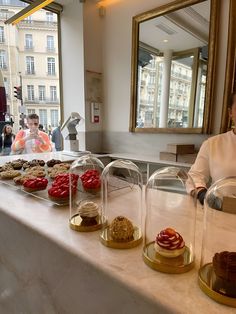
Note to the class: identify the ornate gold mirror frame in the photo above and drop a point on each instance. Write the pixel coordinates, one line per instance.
(212, 51)
(230, 72)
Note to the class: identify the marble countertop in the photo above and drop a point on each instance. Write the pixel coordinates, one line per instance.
(173, 293)
(148, 159)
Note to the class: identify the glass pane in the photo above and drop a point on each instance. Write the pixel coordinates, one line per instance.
(180, 91)
(29, 58)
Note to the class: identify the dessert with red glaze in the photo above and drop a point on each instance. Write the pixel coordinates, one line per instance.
(36, 184)
(60, 189)
(91, 181)
(224, 265)
(169, 243)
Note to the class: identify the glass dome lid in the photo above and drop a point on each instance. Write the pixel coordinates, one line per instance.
(170, 221)
(217, 274)
(122, 205)
(85, 194)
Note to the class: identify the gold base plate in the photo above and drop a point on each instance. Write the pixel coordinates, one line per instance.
(205, 281)
(107, 240)
(176, 265)
(83, 225)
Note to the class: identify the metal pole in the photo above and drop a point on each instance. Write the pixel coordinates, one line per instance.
(22, 116)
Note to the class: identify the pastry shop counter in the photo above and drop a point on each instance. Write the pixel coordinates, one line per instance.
(42, 156)
(46, 267)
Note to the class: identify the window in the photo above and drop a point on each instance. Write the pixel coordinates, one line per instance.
(53, 93)
(50, 43)
(33, 57)
(54, 118)
(3, 59)
(30, 92)
(28, 41)
(2, 37)
(30, 111)
(30, 65)
(28, 19)
(43, 117)
(42, 92)
(6, 86)
(49, 17)
(51, 66)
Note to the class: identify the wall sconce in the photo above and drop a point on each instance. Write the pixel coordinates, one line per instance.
(102, 11)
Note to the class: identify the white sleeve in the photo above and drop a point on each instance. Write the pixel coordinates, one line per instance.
(200, 170)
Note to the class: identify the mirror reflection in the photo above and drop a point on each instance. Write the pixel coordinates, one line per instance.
(172, 68)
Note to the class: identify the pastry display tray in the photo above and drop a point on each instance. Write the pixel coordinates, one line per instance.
(42, 195)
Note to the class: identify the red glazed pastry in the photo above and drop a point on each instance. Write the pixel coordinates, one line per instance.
(91, 181)
(169, 243)
(60, 189)
(36, 184)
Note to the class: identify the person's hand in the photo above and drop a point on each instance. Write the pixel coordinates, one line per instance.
(30, 136)
(201, 195)
(39, 138)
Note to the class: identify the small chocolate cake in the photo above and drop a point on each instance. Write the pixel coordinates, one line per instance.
(224, 265)
(52, 162)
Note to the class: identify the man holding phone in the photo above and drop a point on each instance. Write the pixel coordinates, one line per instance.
(31, 140)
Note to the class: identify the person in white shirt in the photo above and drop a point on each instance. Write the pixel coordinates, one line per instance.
(216, 158)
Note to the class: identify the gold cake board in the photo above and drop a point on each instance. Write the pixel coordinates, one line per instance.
(176, 265)
(204, 281)
(76, 223)
(107, 240)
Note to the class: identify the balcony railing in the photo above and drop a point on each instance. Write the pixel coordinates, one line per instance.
(3, 66)
(40, 102)
(42, 24)
(50, 49)
(51, 73)
(30, 72)
(29, 48)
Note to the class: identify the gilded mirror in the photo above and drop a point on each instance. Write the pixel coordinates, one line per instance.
(173, 64)
(230, 72)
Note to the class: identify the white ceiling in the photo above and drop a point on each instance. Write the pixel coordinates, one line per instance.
(190, 27)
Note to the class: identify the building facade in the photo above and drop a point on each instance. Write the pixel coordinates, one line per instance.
(29, 57)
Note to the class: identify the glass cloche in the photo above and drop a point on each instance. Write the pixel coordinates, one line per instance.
(170, 221)
(217, 274)
(122, 205)
(85, 194)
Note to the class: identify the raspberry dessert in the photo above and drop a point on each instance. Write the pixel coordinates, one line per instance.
(60, 189)
(169, 243)
(91, 181)
(36, 184)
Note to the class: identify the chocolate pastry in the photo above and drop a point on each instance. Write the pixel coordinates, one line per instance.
(224, 265)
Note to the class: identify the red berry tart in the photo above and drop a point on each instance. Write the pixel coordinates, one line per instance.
(36, 184)
(169, 243)
(91, 181)
(60, 189)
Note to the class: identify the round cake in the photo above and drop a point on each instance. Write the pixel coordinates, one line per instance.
(169, 243)
(121, 229)
(53, 162)
(224, 265)
(36, 184)
(88, 211)
(91, 181)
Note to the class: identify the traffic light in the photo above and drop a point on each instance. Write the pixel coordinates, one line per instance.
(18, 92)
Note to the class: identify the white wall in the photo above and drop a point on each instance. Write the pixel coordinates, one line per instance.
(117, 37)
(107, 49)
(72, 48)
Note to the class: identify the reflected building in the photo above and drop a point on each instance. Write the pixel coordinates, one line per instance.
(150, 87)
